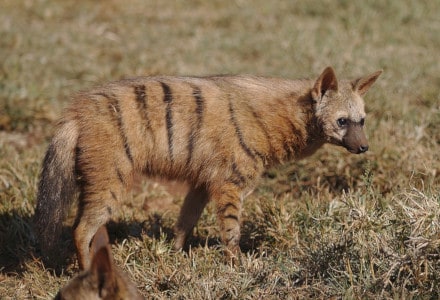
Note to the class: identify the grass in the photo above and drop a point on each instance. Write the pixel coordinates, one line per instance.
(332, 226)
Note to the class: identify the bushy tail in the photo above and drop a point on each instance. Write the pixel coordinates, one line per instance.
(57, 187)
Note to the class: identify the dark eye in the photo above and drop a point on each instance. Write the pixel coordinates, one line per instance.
(362, 122)
(342, 122)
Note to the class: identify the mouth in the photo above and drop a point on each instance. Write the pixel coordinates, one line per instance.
(358, 150)
(354, 151)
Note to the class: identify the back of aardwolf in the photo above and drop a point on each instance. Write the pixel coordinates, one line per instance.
(103, 280)
(217, 133)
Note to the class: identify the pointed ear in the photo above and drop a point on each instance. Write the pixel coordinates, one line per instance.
(362, 85)
(325, 82)
(100, 239)
(103, 271)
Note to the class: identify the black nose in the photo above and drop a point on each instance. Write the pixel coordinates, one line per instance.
(363, 149)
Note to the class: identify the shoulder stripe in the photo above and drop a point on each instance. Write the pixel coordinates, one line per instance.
(168, 99)
(264, 129)
(243, 145)
(115, 111)
(292, 148)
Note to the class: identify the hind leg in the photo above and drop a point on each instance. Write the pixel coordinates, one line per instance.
(93, 213)
(98, 202)
(193, 205)
(103, 185)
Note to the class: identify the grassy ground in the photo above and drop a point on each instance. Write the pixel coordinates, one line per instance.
(332, 226)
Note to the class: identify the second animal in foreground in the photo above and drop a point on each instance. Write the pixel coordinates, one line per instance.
(217, 133)
(103, 280)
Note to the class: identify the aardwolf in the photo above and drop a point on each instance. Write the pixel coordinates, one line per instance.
(218, 133)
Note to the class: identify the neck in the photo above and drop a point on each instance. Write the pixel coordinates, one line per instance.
(294, 130)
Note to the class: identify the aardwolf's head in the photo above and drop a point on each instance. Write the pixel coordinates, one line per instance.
(340, 109)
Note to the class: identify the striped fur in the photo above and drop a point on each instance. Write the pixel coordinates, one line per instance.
(217, 133)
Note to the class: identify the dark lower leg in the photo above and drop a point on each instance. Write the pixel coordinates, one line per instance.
(193, 205)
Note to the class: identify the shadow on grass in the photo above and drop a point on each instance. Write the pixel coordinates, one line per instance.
(251, 239)
(18, 243)
(154, 227)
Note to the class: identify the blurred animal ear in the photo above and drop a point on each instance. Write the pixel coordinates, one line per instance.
(362, 85)
(100, 239)
(102, 267)
(326, 81)
(103, 272)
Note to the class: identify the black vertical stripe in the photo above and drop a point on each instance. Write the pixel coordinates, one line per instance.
(114, 198)
(141, 99)
(197, 94)
(237, 178)
(115, 111)
(168, 99)
(243, 145)
(120, 177)
(264, 129)
(294, 136)
(80, 176)
(139, 90)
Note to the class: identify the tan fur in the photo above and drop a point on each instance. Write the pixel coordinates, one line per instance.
(103, 280)
(217, 133)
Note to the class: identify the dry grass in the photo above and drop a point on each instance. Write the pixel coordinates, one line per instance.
(334, 225)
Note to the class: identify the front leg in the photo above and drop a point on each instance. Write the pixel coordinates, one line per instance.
(193, 205)
(228, 204)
